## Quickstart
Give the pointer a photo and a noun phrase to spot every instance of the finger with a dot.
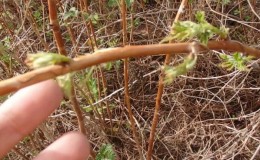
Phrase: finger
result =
(25, 110)
(72, 145)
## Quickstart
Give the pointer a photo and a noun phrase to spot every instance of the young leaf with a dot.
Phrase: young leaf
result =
(237, 61)
(73, 12)
(64, 82)
(93, 17)
(91, 82)
(106, 152)
(43, 59)
(172, 72)
(188, 30)
(112, 3)
(109, 65)
(200, 17)
(129, 3)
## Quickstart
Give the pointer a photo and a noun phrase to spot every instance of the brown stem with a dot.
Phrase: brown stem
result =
(77, 110)
(104, 84)
(11, 33)
(5, 67)
(160, 91)
(73, 40)
(29, 16)
(112, 54)
(54, 23)
(95, 45)
(71, 34)
(60, 45)
(102, 116)
(84, 8)
(126, 77)
(79, 114)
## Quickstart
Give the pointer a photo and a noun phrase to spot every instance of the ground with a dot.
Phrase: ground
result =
(208, 113)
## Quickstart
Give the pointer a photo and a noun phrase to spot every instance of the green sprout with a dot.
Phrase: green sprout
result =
(43, 59)
(237, 61)
(106, 152)
(109, 65)
(64, 82)
(172, 72)
(202, 30)
(93, 17)
(90, 108)
(72, 13)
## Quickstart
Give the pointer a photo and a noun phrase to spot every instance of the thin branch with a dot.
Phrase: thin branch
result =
(160, 92)
(94, 44)
(60, 44)
(112, 54)
(253, 9)
(5, 68)
(84, 8)
(232, 19)
(126, 79)
(54, 23)
(29, 16)
(76, 108)
(71, 34)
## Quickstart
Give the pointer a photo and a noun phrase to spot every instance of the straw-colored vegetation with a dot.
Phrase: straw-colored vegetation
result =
(143, 79)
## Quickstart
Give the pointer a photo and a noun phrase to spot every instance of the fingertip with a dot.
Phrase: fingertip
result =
(51, 85)
(25, 110)
(72, 145)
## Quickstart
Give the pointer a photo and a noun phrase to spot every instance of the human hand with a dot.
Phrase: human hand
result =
(29, 107)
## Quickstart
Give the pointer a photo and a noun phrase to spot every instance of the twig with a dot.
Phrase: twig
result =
(232, 19)
(256, 152)
(71, 34)
(112, 54)
(54, 23)
(35, 27)
(60, 44)
(126, 79)
(160, 92)
(77, 110)
(253, 9)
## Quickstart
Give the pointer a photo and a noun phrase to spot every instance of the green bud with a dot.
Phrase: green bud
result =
(43, 59)
(64, 82)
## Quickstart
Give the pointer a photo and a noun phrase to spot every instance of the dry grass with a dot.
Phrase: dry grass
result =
(210, 113)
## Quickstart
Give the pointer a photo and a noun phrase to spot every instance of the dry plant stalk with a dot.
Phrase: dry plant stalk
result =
(77, 109)
(126, 79)
(89, 25)
(83, 8)
(160, 92)
(54, 23)
(71, 34)
(29, 16)
(60, 45)
(5, 67)
(112, 54)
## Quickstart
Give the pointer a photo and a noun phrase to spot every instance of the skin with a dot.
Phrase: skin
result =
(28, 108)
